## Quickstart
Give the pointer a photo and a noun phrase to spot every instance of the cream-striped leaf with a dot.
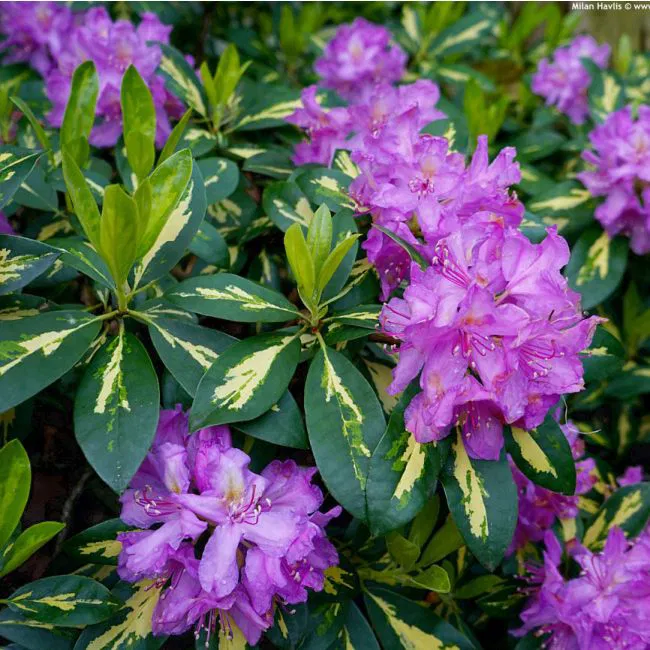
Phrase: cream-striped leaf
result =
(15, 166)
(182, 80)
(329, 186)
(22, 260)
(482, 498)
(246, 380)
(233, 298)
(97, 544)
(220, 177)
(36, 351)
(285, 204)
(116, 409)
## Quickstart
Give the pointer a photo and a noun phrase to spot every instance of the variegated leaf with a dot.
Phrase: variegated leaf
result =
(177, 233)
(266, 106)
(329, 186)
(80, 255)
(187, 350)
(285, 204)
(15, 166)
(36, 351)
(233, 298)
(403, 473)
(345, 422)
(628, 509)
(118, 395)
(543, 455)
(604, 357)
(357, 633)
(220, 177)
(182, 80)
(64, 601)
(566, 206)
(482, 498)
(463, 35)
(403, 624)
(606, 92)
(22, 260)
(97, 544)
(19, 306)
(366, 316)
(246, 380)
(34, 635)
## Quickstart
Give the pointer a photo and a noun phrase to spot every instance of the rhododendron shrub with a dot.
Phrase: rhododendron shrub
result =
(322, 326)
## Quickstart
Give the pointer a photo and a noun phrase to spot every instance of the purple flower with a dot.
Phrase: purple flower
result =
(564, 81)
(620, 173)
(261, 537)
(360, 55)
(36, 32)
(493, 332)
(539, 508)
(5, 226)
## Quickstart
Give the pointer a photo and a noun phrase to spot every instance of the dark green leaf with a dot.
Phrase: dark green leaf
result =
(22, 260)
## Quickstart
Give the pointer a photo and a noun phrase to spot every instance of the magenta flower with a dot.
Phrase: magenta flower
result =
(261, 537)
(620, 173)
(564, 81)
(5, 226)
(359, 56)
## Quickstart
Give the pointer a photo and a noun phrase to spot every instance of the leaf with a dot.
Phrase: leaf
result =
(130, 627)
(33, 635)
(266, 106)
(97, 544)
(403, 473)
(177, 231)
(138, 122)
(37, 191)
(344, 229)
(319, 237)
(345, 423)
(534, 145)
(35, 352)
(633, 381)
(566, 206)
(463, 35)
(24, 108)
(182, 80)
(22, 260)
(482, 498)
(285, 204)
(301, 263)
(596, 266)
(604, 358)
(209, 245)
(446, 540)
(27, 543)
(413, 253)
(175, 137)
(228, 73)
(233, 298)
(64, 601)
(402, 624)
(403, 551)
(543, 455)
(119, 232)
(15, 166)
(606, 92)
(15, 482)
(116, 409)
(220, 177)
(435, 578)
(246, 380)
(80, 255)
(281, 425)
(168, 183)
(628, 508)
(357, 633)
(187, 350)
(366, 316)
(79, 113)
(329, 186)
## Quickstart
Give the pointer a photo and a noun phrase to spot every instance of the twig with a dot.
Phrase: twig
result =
(66, 513)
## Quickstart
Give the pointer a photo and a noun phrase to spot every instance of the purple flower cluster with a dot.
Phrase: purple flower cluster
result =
(359, 56)
(564, 81)
(54, 40)
(621, 172)
(492, 329)
(262, 536)
(539, 508)
(604, 607)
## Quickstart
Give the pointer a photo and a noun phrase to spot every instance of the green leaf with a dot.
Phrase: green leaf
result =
(537, 144)
(597, 266)
(33, 635)
(403, 624)
(246, 380)
(413, 253)
(119, 232)
(543, 455)
(629, 383)
(228, 73)
(345, 422)
(281, 425)
(233, 298)
(15, 166)
(210, 246)
(79, 113)
(404, 552)
(187, 350)
(606, 92)
(482, 498)
(266, 106)
(118, 395)
(344, 227)
(463, 35)
(64, 601)
(97, 544)
(22, 106)
(435, 578)
(37, 191)
(357, 633)
(138, 122)
(36, 351)
(15, 482)
(80, 255)
(334, 260)
(178, 229)
(477, 586)
(446, 540)
(329, 186)
(208, 84)
(220, 177)
(168, 184)
(301, 262)
(566, 206)
(175, 137)
(182, 80)
(130, 627)
(604, 358)
(22, 260)
(628, 509)
(27, 543)
(285, 204)
(319, 237)
(402, 475)
(365, 316)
